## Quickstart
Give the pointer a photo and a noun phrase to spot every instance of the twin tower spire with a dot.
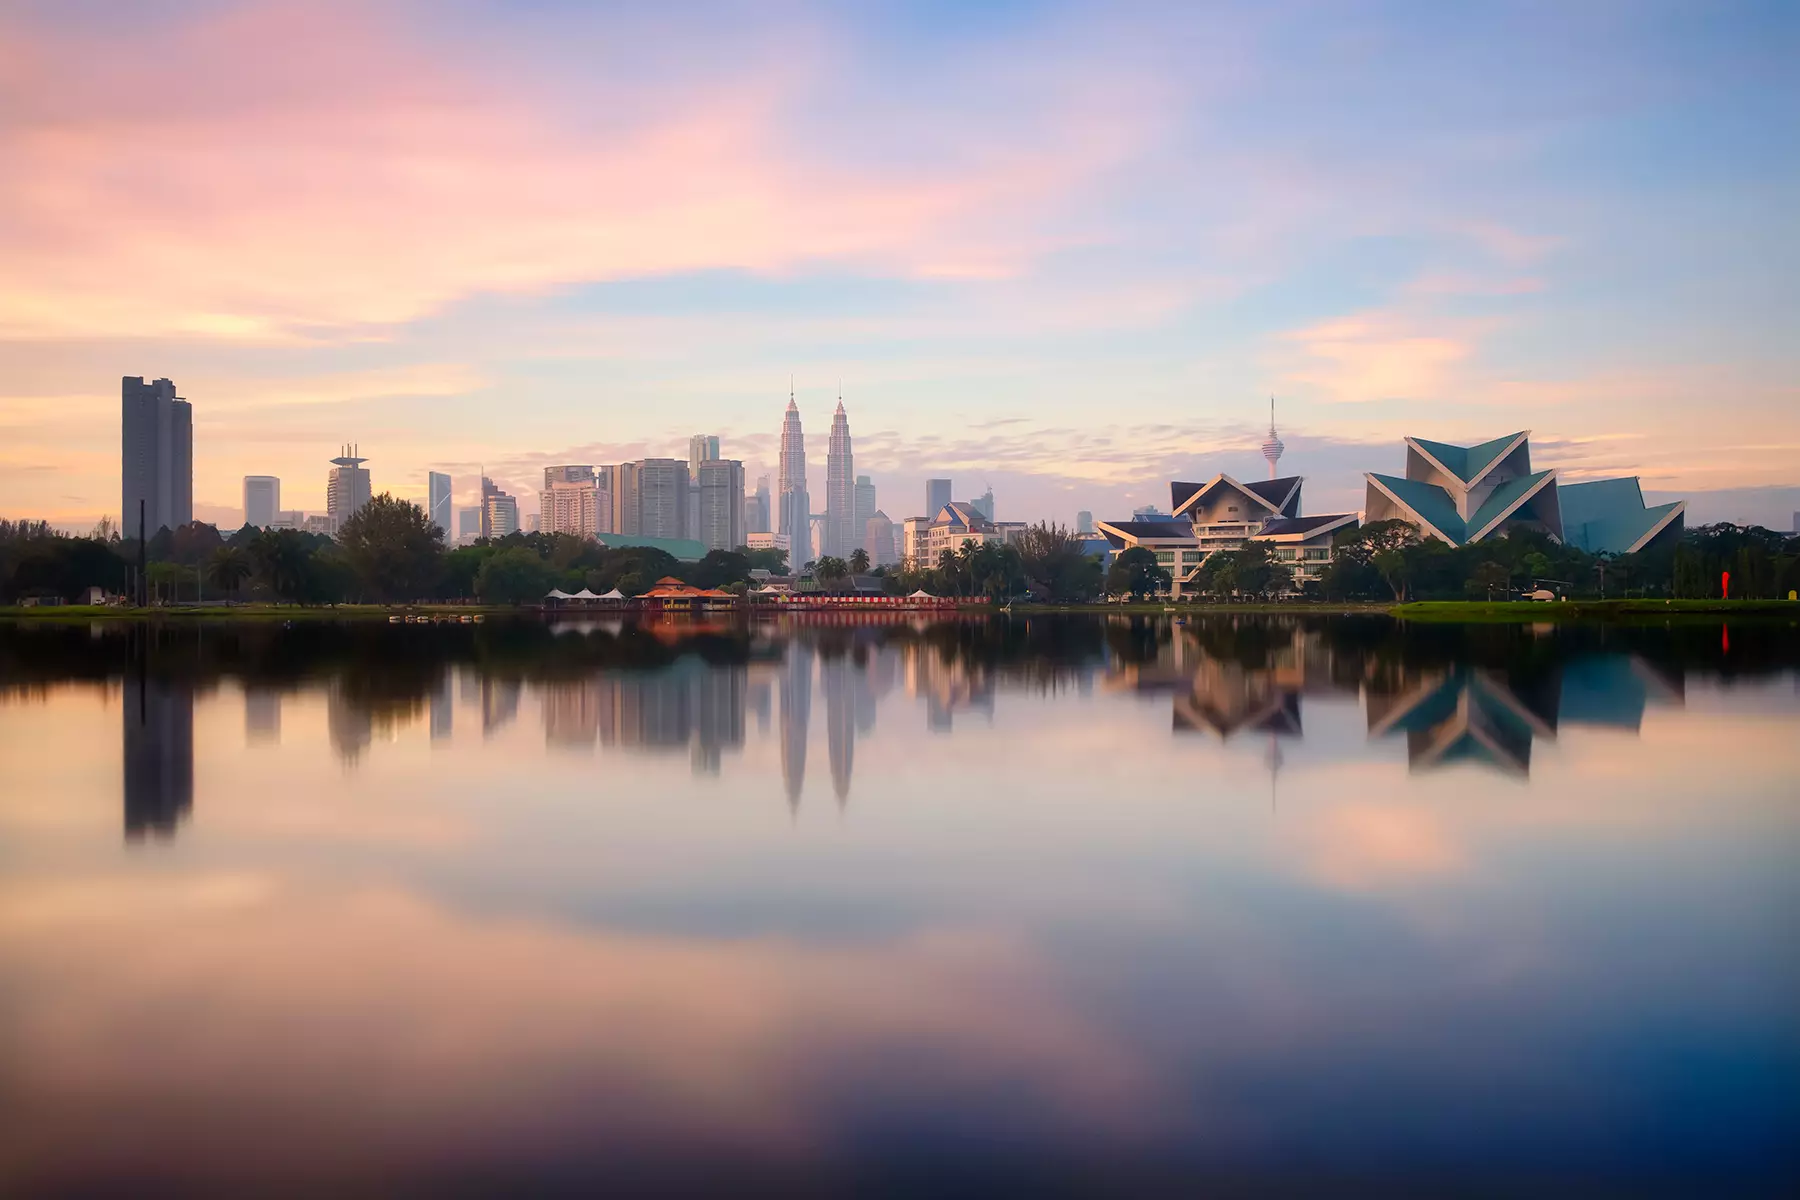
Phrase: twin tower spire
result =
(839, 533)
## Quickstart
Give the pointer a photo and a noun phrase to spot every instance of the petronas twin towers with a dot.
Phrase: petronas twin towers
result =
(839, 536)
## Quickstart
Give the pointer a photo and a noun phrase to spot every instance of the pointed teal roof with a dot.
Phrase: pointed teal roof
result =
(1504, 497)
(1610, 515)
(1467, 462)
(1430, 501)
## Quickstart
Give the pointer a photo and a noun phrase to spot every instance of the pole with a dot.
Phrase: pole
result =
(143, 550)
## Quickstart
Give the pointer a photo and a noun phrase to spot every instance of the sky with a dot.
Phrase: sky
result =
(1066, 250)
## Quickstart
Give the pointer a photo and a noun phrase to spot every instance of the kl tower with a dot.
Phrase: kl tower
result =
(1272, 448)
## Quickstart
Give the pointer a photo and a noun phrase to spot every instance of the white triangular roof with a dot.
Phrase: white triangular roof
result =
(584, 594)
(557, 594)
(615, 594)
(922, 594)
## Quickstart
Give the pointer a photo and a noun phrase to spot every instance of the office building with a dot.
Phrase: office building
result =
(913, 532)
(984, 504)
(156, 456)
(1465, 494)
(468, 525)
(262, 500)
(346, 487)
(720, 521)
(1084, 522)
(937, 494)
(499, 511)
(568, 474)
(757, 518)
(662, 498)
(437, 501)
(1149, 512)
(865, 507)
(879, 540)
(841, 534)
(702, 447)
(320, 523)
(794, 515)
(288, 518)
(625, 499)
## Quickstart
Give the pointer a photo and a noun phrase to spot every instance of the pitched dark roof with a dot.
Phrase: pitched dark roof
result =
(1181, 493)
(1290, 525)
(1275, 491)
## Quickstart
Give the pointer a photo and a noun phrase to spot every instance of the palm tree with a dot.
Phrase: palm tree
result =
(859, 561)
(228, 567)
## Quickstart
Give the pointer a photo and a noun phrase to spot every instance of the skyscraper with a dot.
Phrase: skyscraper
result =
(1084, 521)
(437, 501)
(571, 506)
(625, 499)
(865, 508)
(662, 496)
(567, 474)
(878, 540)
(840, 489)
(346, 488)
(795, 517)
(756, 509)
(937, 494)
(262, 500)
(984, 504)
(702, 447)
(468, 524)
(499, 511)
(156, 455)
(720, 523)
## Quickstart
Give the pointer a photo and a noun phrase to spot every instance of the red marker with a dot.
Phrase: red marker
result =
(1725, 583)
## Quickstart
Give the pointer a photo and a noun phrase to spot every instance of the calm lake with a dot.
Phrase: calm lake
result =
(1010, 904)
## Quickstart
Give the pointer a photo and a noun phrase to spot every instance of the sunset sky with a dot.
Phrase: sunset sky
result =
(1069, 250)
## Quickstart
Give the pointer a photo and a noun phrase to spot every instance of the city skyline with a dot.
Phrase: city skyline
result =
(1025, 277)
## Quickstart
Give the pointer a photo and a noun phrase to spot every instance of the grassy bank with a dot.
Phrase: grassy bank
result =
(1590, 610)
(1160, 608)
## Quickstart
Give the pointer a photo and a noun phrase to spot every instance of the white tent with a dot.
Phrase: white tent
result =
(615, 594)
(585, 594)
(921, 594)
(558, 594)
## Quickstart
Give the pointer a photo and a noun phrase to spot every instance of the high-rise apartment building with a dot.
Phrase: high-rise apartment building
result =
(662, 495)
(468, 525)
(437, 501)
(841, 529)
(346, 488)
(721, 508)
(879, 540)
(625, 499)
(572, 507)
(156, 456)
(937, 494)
(794, 517)
(702, 447)
(262, 500)
(1084, 521)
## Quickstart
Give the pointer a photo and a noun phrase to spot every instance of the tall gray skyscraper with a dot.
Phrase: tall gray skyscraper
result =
(937, 494)
(865, 508)
(721, 518)
(662, 497)
(983, 504)
(346, 488)
(156, 456)
(795, 517)
(625, 499)
(437, 502)
(840, 489)
(1084, 521)
(702, 447)
(262, 500)
(756, 511)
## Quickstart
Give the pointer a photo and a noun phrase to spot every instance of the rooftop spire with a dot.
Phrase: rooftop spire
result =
(1272, 448)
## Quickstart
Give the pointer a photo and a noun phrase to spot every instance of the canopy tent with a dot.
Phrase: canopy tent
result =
(921, 594)
(615, 594)
(584, 594)
(558, 594)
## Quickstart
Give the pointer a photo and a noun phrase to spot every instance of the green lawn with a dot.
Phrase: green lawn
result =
(242, 612)
(1571, 610)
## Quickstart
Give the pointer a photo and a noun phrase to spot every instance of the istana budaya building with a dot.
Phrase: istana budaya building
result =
(1224, 514)
(1467, 494)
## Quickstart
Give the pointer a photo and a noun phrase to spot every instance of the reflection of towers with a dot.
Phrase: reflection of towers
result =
(443, 706)
(499, 704)
(837, 677)
(687, 704)
(718, 713)
(948, 686)
(796, 712)
(262, 717)
(351, 725)
(1224, 679)
(158, 755)
(572, 714)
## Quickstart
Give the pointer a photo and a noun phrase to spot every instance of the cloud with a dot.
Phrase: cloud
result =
(1374, 356)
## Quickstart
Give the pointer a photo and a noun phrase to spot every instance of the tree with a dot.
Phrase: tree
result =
(1056, 563)
(719, 568)
(773, 560)
(227, 569)
(280, 559)
(515, 575)
(393, 548)
(859, 561)
(1489, 577)
(1135, 572)
(831, 569)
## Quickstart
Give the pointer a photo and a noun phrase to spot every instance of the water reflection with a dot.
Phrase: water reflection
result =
(158, 755)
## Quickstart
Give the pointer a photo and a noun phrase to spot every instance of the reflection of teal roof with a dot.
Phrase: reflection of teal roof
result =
(683, 549)
(1504, 497)
(1466, 462)
(1432, 503)
(1609, 515)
